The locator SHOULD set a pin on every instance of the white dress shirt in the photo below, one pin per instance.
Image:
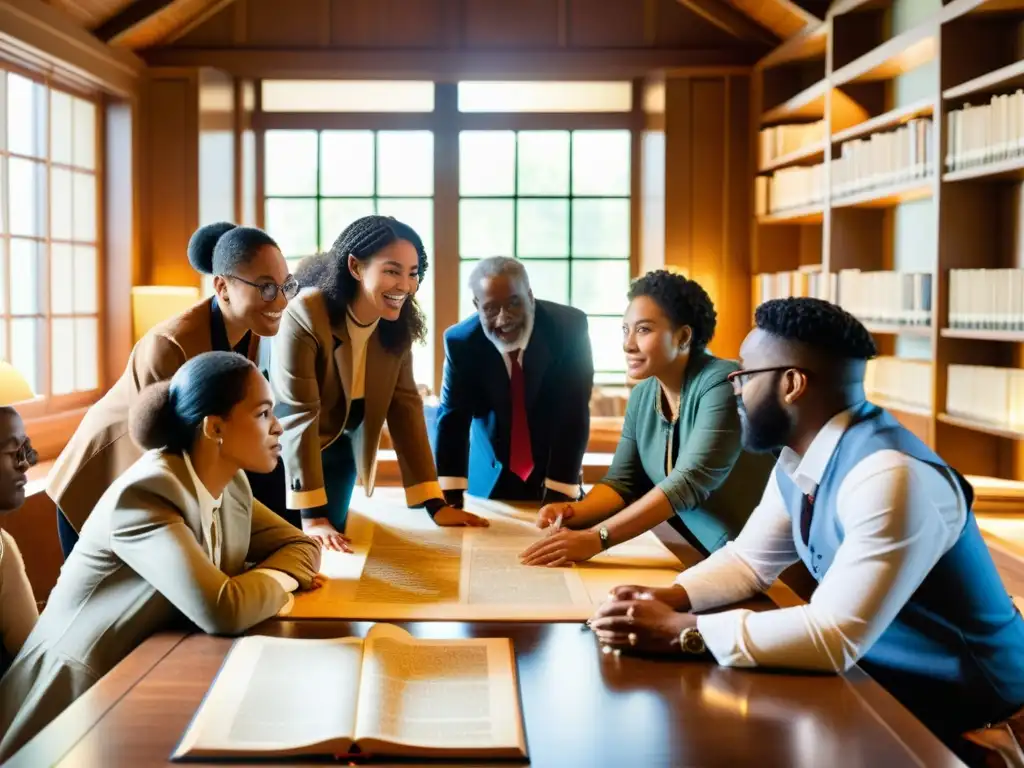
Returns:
(462, 483)
(209, 515)
(899, 516)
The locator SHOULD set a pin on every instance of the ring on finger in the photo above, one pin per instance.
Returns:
(630, 614)
(632, 638)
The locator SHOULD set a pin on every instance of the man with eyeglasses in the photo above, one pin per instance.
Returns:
(906, 585)
(18, 611)
(517, 375)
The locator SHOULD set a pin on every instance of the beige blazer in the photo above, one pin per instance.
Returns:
(101, 448)
(139, 567)
(311, 372)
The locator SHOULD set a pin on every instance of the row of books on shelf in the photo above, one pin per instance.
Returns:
(781, 140)
(899, 382)
(884, 297)
(985, 133)
(986, 299)
(884, 158)
(789, 188)
(986, 394)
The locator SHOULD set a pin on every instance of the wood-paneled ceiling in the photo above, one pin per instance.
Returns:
(141, 24)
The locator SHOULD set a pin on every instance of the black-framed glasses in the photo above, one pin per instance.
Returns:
(268, 290)
(742, 376)
(23, 454)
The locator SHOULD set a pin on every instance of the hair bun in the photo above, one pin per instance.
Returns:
(152, 420)
(202, 244)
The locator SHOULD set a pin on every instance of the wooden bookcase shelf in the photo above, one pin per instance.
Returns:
(885, 76)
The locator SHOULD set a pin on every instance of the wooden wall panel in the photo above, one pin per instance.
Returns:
(500, 24)
(386, 23)
(607, 23)
(215, 32)
(678, 27)
(296, 23)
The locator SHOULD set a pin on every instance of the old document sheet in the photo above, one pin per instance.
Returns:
(406, 568)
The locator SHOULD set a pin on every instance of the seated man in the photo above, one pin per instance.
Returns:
(519, 373)
(906, 585)
(18, 611)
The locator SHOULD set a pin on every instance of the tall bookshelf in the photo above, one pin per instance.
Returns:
(867, 160)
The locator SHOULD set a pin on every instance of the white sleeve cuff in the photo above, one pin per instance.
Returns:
(288, 584)
(287, 607)
(567, 489)
(722, 633)
(453, 483)
(306, 499)
(723, 578)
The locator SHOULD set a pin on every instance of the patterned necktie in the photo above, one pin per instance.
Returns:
(806, 513)
(520, 454)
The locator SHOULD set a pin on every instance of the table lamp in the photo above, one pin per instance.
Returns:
(13, 387)
(152, 304)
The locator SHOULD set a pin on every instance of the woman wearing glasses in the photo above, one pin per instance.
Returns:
(252, 288)
(679, 458)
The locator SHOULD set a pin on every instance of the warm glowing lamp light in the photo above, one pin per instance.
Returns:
(152, 304)
(13, 387)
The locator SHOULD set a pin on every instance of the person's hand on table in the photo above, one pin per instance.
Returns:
(318, 581)
(450, 516)
(550, 513)
(320, 530)
(562, 547)
(455, 498)
(675, 596)
(650, 626)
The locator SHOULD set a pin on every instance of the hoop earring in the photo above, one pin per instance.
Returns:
(220, 442)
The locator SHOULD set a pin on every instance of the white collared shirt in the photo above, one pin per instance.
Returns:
(209, 516)
(462, 483)
(899, 516)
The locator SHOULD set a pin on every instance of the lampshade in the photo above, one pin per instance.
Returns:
(152, 304)
(13, 387)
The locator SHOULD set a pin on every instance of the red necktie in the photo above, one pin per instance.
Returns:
(520, 454)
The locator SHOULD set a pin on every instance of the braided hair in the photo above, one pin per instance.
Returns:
(364, 238)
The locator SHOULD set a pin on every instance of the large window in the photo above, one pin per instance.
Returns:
(316, 183)
(559, 202)
(49, 275)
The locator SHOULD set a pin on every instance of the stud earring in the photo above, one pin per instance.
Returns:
(220, 442)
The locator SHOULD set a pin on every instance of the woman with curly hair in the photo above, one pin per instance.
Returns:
(679, 458)
(342, 365)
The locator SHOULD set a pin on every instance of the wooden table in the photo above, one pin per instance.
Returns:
(581, 707)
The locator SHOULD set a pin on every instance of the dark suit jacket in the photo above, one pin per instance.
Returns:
(475, 394)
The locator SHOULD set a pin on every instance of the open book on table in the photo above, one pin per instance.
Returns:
(389, 694)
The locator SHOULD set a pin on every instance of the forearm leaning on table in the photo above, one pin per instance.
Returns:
(598, 505)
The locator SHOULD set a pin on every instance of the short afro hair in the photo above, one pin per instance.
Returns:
(821, 325)
(684, 301)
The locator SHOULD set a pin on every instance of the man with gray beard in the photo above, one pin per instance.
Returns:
(517, 377)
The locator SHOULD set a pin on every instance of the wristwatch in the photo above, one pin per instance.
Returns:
(602, 534)
(691, 641)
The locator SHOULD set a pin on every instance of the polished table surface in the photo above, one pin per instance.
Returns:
(581, 707)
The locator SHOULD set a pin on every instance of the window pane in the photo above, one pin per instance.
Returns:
(62, 289)
(60, 127)
(600, 162)
(405, 163)
(27, 205)
(346, 163)
(3, 340)
(487, 161)
(86, 284)
(26, 277)
(62, 356)
(466, 307)
(542, 229)
(25, 348)
(549, 280)
(60, 203)
(606, 343)
(600, 228)
(86, 354)
(291, 162)
(85, 207)
(486, 228)
(599, 287)
(3, 111)
(3, 193)
(543, 163)
(26, 116)
(85, 134)
(337, 214)
(293, 224)
(545, 96)
(417, 213)
(348, 96)
(3, 288)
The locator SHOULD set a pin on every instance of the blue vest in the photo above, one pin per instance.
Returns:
(954, 654)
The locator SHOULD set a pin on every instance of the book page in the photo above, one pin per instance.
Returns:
(451, 695)
(278, 695)
(413, 566)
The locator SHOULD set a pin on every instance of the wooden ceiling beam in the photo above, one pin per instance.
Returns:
(727, 18)
(131, 16)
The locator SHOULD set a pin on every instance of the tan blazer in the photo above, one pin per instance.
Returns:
(138, 567)
(311, 372)
(101, 449)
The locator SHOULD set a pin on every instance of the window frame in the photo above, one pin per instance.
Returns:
(48, 413)
(447, 122)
